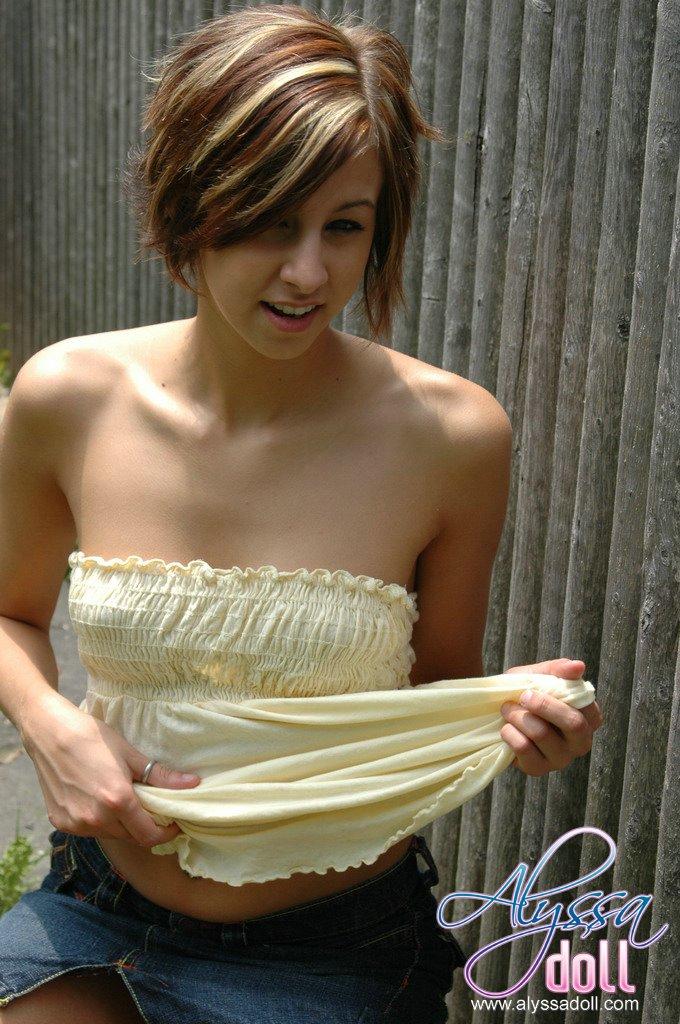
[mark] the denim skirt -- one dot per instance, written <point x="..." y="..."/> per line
<point x="371" y="954"/>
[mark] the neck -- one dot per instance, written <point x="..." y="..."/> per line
<point x="222" y="372"/>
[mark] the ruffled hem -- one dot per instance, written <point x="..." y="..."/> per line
<point x="211" y="574"/>
<point x="443" y="736"/>
<point x="499" y="759"/>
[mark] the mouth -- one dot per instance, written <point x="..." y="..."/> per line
<point x="289" y="322"/>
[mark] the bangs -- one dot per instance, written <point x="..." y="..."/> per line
<point x="253" y="112"/>
<point x="281" y="176"/>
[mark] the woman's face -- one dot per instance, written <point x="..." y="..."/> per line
<point x="316" y="256"/>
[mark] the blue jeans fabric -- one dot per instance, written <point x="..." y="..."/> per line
<point x="371" y="954"/>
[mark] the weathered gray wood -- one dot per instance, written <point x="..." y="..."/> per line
<point x="498" y="142"/>
<point x="38" y="285"/>
<point x="149" y="16"/>
<point x="377" y="12"/>
<point x="7" y="183"/>
<point x="48" y="198"/>
<point x="536" y="438"/>
<point x="138" y="88"/>
<point x="18" y="57"/>
<point x="30" y="217"/>
<point x="438" y="190"/>
<point x="600" y="434"/>
<point x="653" y="532"/>
<point x="460" y="279"/>
<point x="633" y="658"/>
<point x="75" y="141"/>
<point x="600" y="38"/>
<point x="58" y="328"/>
<point x="331" y="8"/>
<point x="662" y="986"/>
<point x="91" y="127"/>
<point x="425" y="26"/>
<point x="402" y="23"/>
<point x="534" y="85"/>
<point x="104" y="199"/>
<point x="110" y="134"/>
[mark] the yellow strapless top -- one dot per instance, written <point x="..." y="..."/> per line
<point x="155" y="629"/>
<point x="288" y="693"/>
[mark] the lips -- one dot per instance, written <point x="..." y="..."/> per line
<point x="292" y="305"/>
<point x="287" y="322"/>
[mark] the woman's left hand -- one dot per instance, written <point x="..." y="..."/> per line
<point x="545" y="733"/>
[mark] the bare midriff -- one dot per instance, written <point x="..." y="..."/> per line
<point x="159" y="878"/>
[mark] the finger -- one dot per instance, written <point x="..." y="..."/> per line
<point x="563" y="668"/>
<point x="593" y="715"/>
<point x="114" y="828"/>
<point x="171" y="778"/>
<point x="140" y="824"/>
<point x="119" y="831"/>
<point x="573" y="725"/>
<point x="549" y="741"/>
<point x="163" y="776"/>
<point x="529" y="758"/>
<point x="144" y="830"/>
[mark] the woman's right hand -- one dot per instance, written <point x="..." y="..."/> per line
<point x="86" y="770"/>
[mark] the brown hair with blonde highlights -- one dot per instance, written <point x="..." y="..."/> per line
<point x="253" y="111"/>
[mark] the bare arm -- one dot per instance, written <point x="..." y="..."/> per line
<point x="84" y="767"/>
<point x="453" y="575"/>
<point x="37" y="533"/>
<point x="28" y="674"/>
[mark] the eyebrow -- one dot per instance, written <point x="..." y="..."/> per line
<point x="355" y="202"/>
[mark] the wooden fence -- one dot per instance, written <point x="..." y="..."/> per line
<point x="544" y="264"/>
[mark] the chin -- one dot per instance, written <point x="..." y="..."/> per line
<point x="288" y="346"/>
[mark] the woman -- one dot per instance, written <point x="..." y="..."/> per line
<point x="281" y="170"/>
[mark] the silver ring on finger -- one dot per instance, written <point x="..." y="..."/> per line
<point x="147" y="772"/>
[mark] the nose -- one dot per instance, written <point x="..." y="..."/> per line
<point x="304" y="267"/>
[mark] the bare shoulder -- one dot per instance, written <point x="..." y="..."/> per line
<point x="59" y="391"/>
<point x="73" y="368"/>
<point x="476" y="428"/>
<point x="37" y="526"/>
<point x="470" y="439"/>
<point x="464" y="420"/>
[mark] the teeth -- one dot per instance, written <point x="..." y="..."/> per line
<point x="292" y="309"/>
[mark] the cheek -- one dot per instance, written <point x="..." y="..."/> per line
<point x="347" y="265"/>
<point x="233" y="286"/>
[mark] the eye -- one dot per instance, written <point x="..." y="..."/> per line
<point x="349" y="226"/>
<point x="352" y="226"/>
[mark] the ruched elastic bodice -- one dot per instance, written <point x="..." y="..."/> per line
<point x="288" y="693"/>
<point x="166" y="630"/>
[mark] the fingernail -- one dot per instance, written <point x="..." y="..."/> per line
<point x="525" y="698"/>
<point x="505" y="707"/>
<point x="187" y="778"/>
